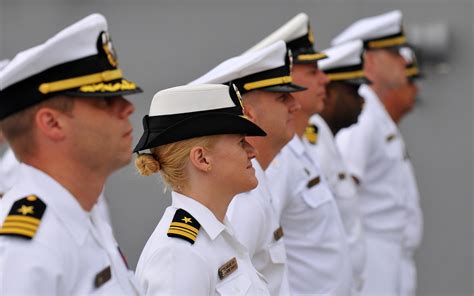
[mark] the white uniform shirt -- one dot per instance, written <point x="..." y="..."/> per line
<point x="72" y="253"/>
<point x="8" y="171"/>
<point x="174" y="266"/>
<point x="257" y="227"/>
<point x="318" y="255"/>
<point x="344" y="190"/>
<point x="375" y="153"/>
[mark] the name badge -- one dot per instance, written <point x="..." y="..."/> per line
<point x="314" y="182"/>
<point x="228" y="268"/>
<point x="102" y="277"/>
<point x="277" y="234"/>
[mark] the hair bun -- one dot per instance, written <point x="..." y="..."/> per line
<point x="146" y="164"/>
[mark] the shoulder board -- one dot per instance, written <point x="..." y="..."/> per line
<point x="184" y="226"/>
<point x="311" y="134"/>
<point x="24" y="217"/>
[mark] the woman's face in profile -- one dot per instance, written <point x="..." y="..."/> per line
<point x="231" y="163"/>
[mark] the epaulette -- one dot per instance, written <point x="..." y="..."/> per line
<point x="24" y="217"/>
<point x="311" y="134"/>
<point x="184" y="226"/>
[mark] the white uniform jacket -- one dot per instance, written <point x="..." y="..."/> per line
<point x="63" y="251"/>
<point x="202" y="256"/>
<point x="375" y="153"/>
<point x="257" y="227"/>
<point x="8" y="171"/>
<point x="315" y="240"/>
<point x="344" y="189"/>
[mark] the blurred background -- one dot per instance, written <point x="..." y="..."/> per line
<point x="164" y="43"/>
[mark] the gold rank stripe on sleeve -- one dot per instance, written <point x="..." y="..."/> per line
<point x="184" y="226"/>
<point x="24" y="217"/>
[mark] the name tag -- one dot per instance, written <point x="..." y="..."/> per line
<point x="277" y="234"/>
<point x="314" y="182"/>
<point x="102" y="277"/>
<point x="228" y="268"/>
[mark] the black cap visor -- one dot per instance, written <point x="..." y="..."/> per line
<point x="196" y="126"/>
<point x="284" y="88"/>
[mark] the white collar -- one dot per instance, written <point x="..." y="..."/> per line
<point x="373" y="102"/>
<point x="201" y="213"/>
<point x="58" y="199"/>
<point x="296" y="145"/>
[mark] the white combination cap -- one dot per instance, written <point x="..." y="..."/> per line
<point x="381" y="31"/>
<point x="266" y="69"/>
<point x="345" y="63"/>
<point x="3" y="64"/>
<point x="78" y="61"/>
<point x="191" y="111"/>
<point x="299" y="38"/>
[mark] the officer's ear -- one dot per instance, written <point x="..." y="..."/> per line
<point x="200" y="158"/>
<point x="51" y="123"/>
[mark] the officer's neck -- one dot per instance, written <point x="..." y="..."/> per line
<point x="266" y="149"/>
<point x="388" y="98"/>
<point x="86" y="187"/>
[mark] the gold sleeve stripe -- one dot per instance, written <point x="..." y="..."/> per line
<point x="387" y="42"/>
<point x="184" y="225"/>
<point x="310" y="57"/>
<point x="268" y="82"/>
<point x="15" y="230"/>
<point x="182" y="229"/>
<point x="182" y="233"/>
<point x="24" y="219"/>
<point x="345" y="75"/>
<point x="65" y="84"/>
<point x="20" y="225"/>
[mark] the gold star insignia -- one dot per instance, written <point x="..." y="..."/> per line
<point x="186" y="220"/>
<point x="25" y="210"/>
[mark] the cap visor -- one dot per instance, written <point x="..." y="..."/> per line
<point x="200" y="126"/>
<point x="284" y="88"/>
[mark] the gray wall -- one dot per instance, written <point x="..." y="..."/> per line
<point x="167" y="43"/>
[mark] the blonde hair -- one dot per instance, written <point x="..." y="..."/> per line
<point x="171" y="160"/>
<point x="18" y="128"/>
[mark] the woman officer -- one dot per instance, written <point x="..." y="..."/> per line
<point x="196" y="134"/>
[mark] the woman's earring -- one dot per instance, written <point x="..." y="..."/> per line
<point x="209" y="168"/>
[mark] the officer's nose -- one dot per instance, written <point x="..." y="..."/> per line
<point x="293" y="104"/>
<point x="126" y="108"/>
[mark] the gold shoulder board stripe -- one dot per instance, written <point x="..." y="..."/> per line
<point x="184" y="226"/>
<point x="311" y="134"/>
<point x="24" y="217"/>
